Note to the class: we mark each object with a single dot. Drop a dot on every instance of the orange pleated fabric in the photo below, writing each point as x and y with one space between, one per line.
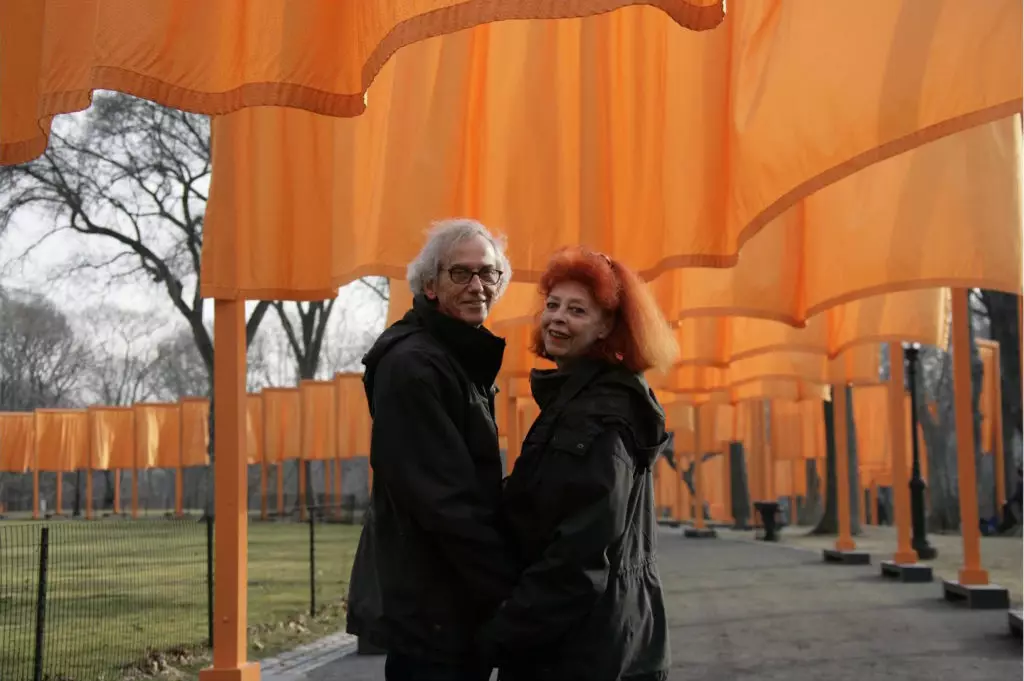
195 431
319 427
281 424
62 439
254 439
113 438
215 57
17 441
157 435
588 131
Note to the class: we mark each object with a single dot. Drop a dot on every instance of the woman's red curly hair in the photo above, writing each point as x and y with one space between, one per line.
640 338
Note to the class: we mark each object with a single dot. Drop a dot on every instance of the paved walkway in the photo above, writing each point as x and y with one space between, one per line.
743 611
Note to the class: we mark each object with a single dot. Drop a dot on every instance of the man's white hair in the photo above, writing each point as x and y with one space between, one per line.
441 239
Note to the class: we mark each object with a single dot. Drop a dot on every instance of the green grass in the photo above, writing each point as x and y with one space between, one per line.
128 598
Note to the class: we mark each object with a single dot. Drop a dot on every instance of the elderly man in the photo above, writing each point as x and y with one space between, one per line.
431 564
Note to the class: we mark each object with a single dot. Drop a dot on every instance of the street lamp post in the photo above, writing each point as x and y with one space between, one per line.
925 551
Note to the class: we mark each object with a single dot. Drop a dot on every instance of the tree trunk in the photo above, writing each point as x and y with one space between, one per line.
812 500
829 522
1005 328
77 511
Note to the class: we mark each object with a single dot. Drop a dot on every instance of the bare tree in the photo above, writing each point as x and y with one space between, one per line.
42 360
828 524
134 175
120 373
1004 326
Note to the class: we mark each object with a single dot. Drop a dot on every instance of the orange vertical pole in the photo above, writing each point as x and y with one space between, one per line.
971 573
905 554
874 503
844 542
135 470
328 483
337 487
59 502
117 491
35 466
179 474
997 425
861 500
280 488
263 490
303 454
794 474
231 530
698 482
302 488
88 469
264 501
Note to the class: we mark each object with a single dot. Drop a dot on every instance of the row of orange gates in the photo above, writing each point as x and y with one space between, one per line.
328 421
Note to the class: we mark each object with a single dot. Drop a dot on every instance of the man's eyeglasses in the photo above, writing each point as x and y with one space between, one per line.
460 274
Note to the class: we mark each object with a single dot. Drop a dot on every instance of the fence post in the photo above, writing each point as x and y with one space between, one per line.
209 579
44 556
312 561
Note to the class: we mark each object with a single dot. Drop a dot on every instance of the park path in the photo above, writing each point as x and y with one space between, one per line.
742 611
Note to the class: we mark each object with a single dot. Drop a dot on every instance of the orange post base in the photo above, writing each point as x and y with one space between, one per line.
973 577
249 671
844 544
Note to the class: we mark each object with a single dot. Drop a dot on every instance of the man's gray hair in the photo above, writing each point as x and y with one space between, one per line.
441 239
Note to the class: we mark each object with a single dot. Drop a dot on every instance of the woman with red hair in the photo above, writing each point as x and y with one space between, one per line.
579 505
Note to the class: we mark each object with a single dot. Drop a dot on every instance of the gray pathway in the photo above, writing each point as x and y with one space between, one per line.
744 611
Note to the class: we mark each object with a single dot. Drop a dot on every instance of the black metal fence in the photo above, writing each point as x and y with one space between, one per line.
84 601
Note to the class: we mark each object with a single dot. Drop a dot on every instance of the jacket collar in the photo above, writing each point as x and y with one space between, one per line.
476 349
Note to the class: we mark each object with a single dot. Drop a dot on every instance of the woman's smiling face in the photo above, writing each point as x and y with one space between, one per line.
572 321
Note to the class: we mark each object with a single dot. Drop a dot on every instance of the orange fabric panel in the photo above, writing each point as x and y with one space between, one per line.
666 489
195 431
254 428
871 420
362 189
17 441
62 439
788 271
319 55
113 437
812 429
319 432
725 423
712 474
679 419
281 423
786 434
784 477
708 415
157 435
350 398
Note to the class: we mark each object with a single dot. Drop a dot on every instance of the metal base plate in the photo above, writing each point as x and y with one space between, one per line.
846 557
907 572
976 597
703 533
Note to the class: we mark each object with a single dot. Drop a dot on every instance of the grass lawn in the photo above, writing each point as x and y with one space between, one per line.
128 598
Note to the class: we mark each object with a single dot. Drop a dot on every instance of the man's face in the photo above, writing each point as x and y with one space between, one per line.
465 286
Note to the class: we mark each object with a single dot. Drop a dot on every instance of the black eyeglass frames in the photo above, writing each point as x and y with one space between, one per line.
460 274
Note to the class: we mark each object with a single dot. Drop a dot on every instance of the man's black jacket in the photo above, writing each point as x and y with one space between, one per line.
431 564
